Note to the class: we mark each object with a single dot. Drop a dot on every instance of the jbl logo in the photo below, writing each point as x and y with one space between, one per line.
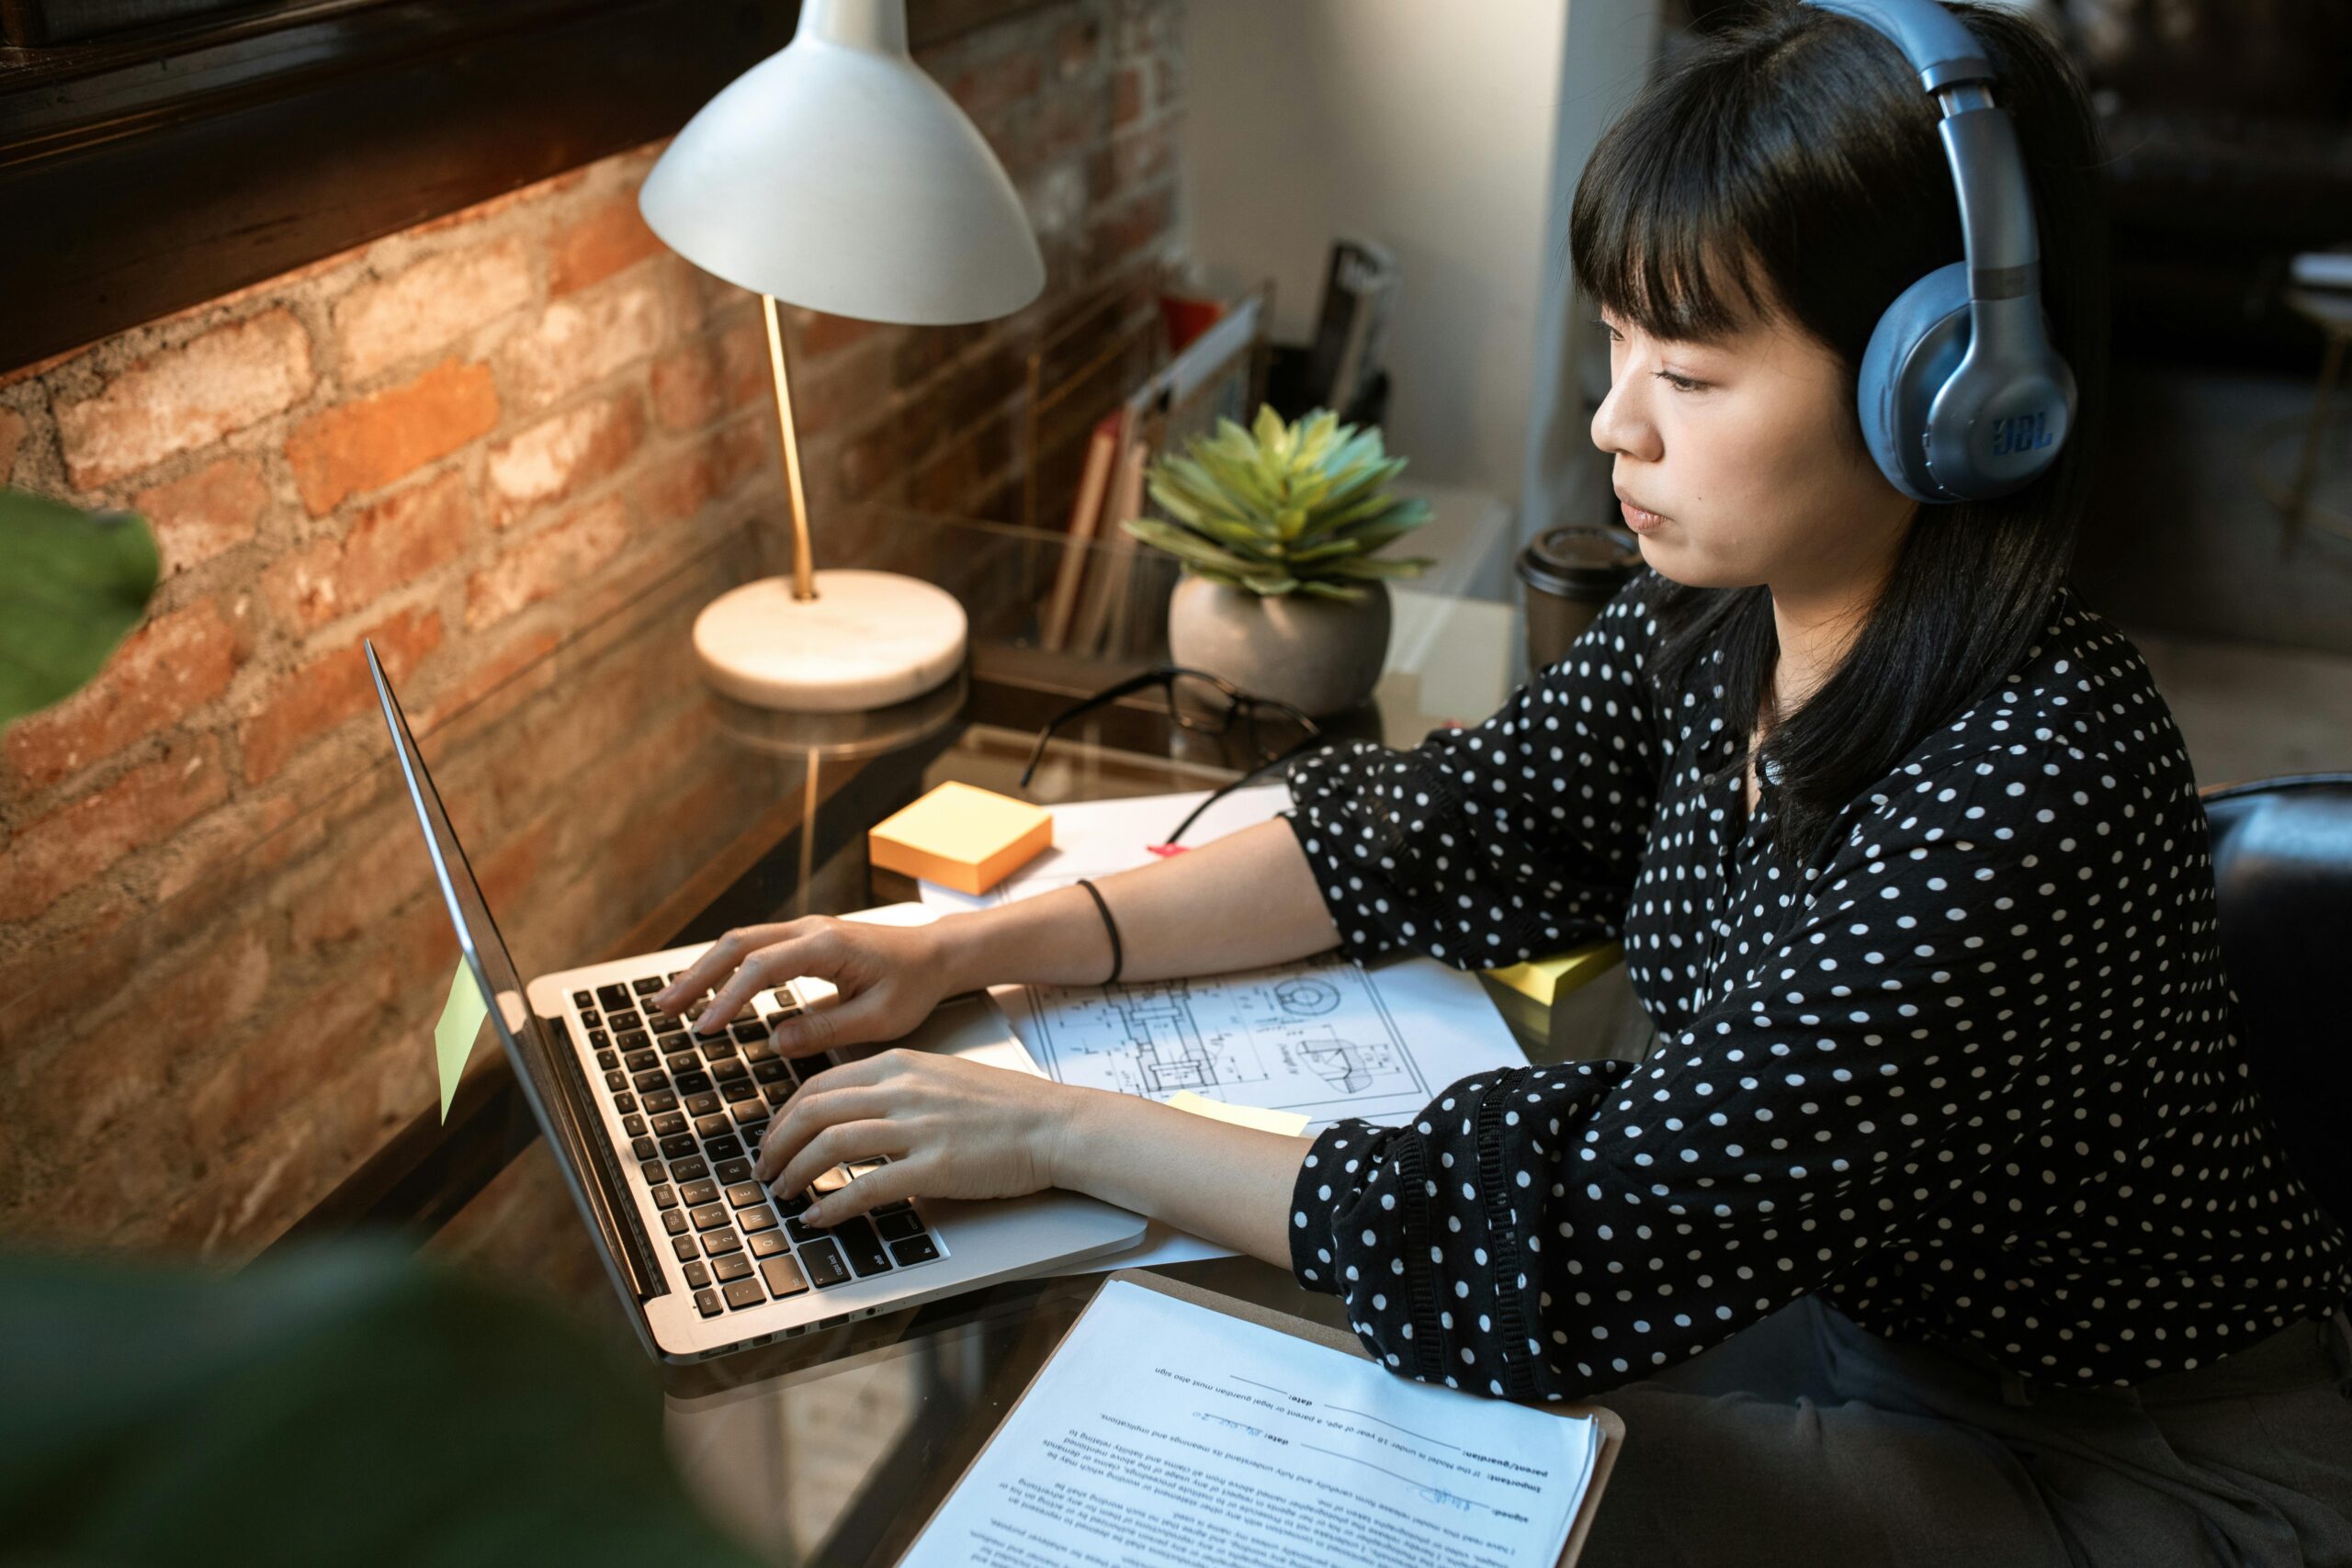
2022 433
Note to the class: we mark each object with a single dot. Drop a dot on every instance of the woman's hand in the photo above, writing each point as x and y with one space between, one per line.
889 978
952 1128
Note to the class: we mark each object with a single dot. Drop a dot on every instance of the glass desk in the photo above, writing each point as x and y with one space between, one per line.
834 1448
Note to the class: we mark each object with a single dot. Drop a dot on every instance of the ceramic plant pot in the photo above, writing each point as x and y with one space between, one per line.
1322 655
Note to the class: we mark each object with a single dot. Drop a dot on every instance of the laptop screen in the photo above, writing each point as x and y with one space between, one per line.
579 1150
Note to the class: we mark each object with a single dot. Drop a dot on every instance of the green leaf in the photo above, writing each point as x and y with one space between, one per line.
1322 590
73 584
1189 547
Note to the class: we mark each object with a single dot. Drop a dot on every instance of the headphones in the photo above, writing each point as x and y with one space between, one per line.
1962 396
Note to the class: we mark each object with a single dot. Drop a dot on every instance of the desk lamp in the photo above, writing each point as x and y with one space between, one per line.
836 176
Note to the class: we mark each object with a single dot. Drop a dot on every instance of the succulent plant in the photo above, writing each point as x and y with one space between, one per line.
1284 508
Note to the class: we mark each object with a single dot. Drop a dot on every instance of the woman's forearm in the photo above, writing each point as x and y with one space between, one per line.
1238 902
1223 1183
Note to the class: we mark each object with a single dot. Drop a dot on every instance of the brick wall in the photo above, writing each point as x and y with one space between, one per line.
469 441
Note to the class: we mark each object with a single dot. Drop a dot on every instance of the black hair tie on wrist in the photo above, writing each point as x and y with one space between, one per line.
1117 957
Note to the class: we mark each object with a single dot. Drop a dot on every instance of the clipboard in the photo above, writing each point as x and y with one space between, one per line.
1610 1426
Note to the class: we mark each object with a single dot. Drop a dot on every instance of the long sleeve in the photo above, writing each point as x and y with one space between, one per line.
1940 997
1500 842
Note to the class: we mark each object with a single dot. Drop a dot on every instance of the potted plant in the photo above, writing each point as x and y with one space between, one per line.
1278 526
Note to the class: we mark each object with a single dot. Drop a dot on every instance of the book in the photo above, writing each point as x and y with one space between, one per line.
1360 282
1085 515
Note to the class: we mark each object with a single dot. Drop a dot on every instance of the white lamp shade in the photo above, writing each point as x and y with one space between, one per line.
838 177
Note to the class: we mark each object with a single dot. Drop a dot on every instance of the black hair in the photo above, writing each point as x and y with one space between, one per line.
1788 164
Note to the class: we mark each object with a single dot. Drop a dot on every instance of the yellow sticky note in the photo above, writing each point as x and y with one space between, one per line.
453 1037
1289 1123
961 836
1546 980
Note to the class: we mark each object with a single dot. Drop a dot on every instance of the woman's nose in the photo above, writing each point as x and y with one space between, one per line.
1621 427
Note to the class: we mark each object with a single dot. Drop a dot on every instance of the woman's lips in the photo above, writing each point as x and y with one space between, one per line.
1638 520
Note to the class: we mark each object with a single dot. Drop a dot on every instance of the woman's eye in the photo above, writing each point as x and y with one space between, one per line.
1679 383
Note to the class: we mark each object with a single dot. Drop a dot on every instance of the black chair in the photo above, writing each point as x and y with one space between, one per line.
2282 863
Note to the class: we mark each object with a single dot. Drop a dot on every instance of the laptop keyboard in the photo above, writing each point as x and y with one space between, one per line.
694 1110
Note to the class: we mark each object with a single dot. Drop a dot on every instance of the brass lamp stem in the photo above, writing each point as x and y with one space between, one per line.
804 567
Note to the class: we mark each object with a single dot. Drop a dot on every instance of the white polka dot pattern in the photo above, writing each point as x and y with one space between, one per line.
1971 1072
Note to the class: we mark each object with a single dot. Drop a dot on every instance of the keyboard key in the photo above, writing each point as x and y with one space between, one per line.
665 1196
728 1070
646 987
795 1205
675 1222
644 1148
803 1232
713 1126
723 1150
697 1193
821 1261
731 1171
917 1249
698 1273
625 1103
702 1103
653 1173
710 1216
865 1249
745 1293
784 1277
648 1082
732 1267
665 1100
598 1040
591 1019
773 1070
747 1111
717 1242
898 1227
582 1000
607 1060
831 1180
777 1093
633 1126
743 1194
717 1051
618 1080
695 1083
766 1243
861 1167
755 1220
685 1248
681 1048
678 1145
689 1169
631 1040
759 1050
739 1089
669 1124
707 1303
641 1061
614 998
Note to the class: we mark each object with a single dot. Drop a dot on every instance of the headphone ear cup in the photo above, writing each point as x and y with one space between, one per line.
1914 348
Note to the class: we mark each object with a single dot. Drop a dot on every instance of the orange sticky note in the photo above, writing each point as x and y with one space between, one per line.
961 836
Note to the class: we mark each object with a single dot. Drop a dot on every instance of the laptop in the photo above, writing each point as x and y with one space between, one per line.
656 1129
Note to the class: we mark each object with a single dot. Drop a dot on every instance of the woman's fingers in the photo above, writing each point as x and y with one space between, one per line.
717 961
837 1145
899 1179
805 953
822 1105
860 1020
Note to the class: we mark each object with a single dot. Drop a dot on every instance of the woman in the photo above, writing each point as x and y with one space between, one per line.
1941 1222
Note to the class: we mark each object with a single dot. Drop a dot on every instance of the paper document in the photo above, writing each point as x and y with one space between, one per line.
1095 838
1161 1432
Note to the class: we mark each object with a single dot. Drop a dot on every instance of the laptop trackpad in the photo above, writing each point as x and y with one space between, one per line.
971 1026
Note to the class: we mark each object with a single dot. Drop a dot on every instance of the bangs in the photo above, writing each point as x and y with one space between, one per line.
1660 231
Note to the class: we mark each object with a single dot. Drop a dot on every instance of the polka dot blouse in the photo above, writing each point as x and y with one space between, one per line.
1971 1073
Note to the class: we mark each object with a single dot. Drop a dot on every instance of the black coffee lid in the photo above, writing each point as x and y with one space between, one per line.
1580 560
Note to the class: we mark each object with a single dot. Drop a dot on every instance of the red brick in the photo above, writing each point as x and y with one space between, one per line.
387 546
487 675
816 334
1128 94
165 669
429 305
363 878
548 562
584 337
842 394
89 1088
188 396
211 510
368 443
558 458
695 383
1078 46
50 857
330 689
1143 158
1113 240
986 91
11 436
611 237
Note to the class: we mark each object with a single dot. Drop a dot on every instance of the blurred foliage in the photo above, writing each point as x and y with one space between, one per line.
73 583
346 1405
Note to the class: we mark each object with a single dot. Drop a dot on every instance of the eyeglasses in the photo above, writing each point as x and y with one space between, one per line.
1202 703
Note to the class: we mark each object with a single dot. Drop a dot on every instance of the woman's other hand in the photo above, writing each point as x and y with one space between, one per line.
951 1128
888 977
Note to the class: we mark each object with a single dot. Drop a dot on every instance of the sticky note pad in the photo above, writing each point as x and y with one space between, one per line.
1290 1123
453 1037
1546 980
961 836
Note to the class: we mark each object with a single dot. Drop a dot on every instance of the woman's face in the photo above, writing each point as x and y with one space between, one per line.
1744 452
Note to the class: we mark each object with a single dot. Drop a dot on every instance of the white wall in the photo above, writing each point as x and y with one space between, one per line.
1425 124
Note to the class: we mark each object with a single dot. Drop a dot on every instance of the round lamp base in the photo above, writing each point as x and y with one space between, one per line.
869 638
